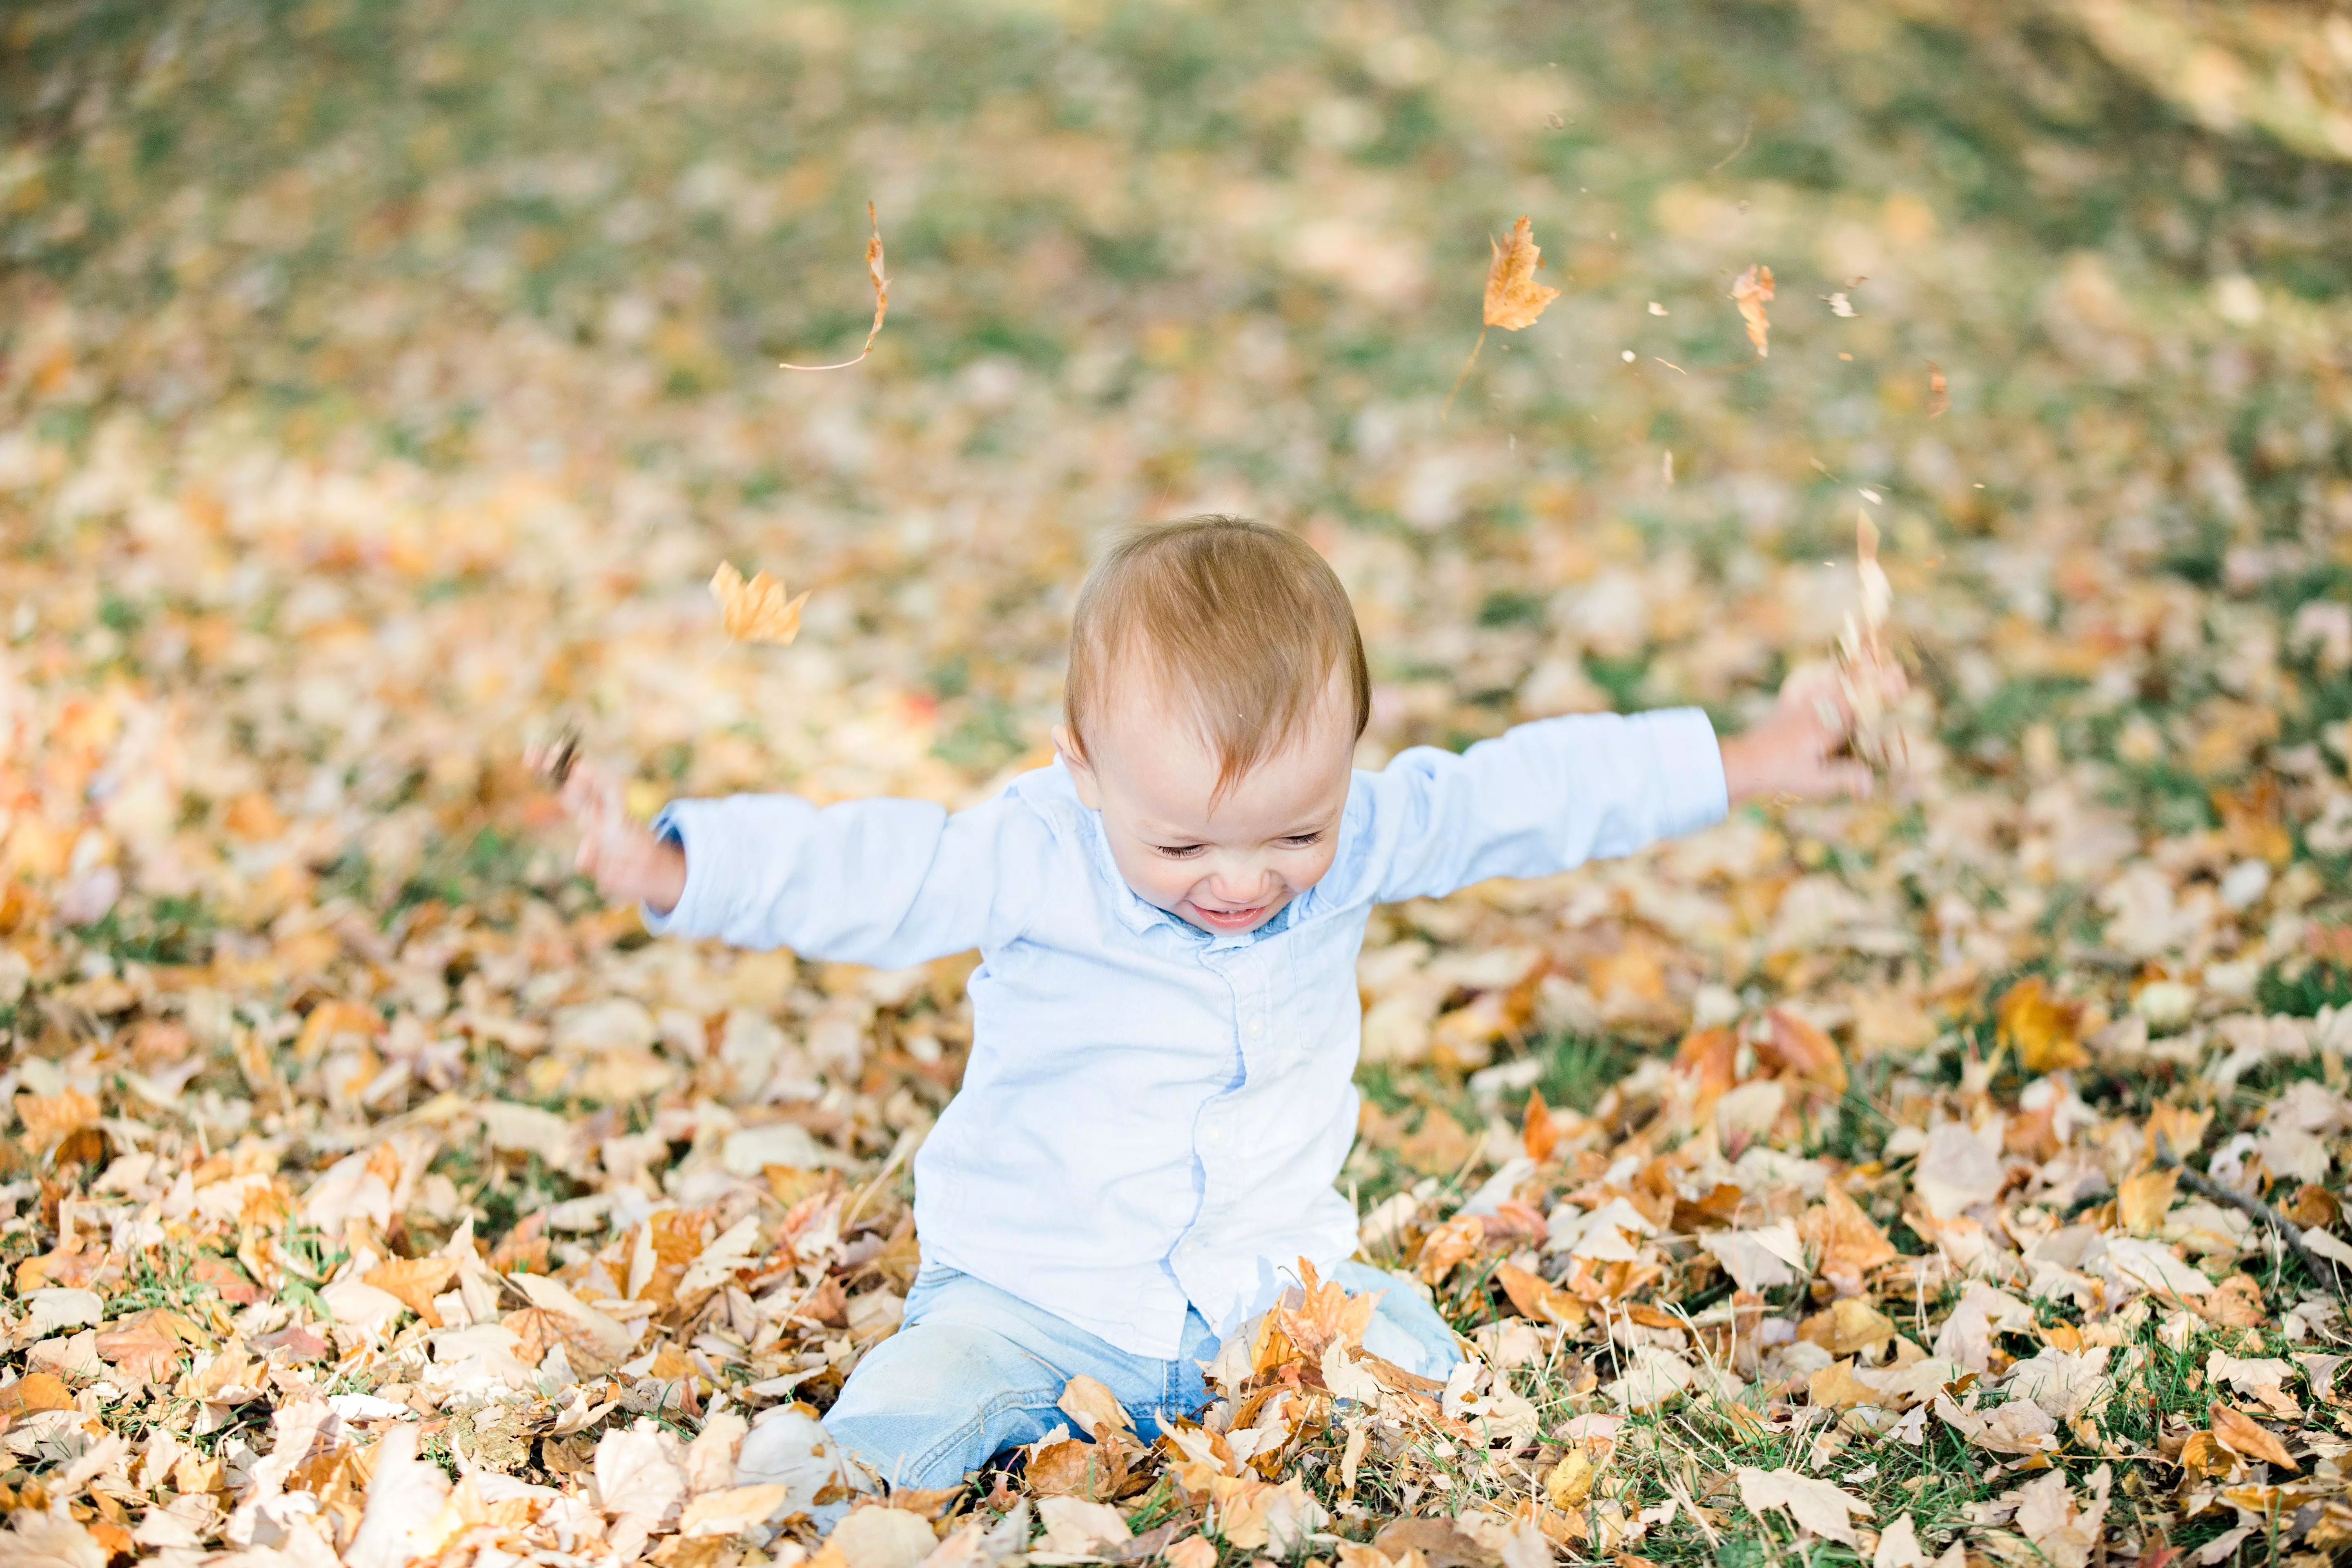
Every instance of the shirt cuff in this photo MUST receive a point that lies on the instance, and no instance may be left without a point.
(1690, 770)
(699, 904)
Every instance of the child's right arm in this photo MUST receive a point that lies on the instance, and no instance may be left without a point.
(883, 882)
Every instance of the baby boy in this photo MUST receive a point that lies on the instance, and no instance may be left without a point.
(1165, 1018)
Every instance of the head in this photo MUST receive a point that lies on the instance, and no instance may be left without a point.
(1217, 687)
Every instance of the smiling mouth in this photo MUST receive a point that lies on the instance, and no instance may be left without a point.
(1231, 920)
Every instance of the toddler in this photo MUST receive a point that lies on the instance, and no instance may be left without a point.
(1165, 1018)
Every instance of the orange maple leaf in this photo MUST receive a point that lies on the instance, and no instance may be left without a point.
(1751, 291)
(1514, 297)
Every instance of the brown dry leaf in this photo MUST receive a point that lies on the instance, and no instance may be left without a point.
(2241, 1435)
(757, 610)
(881, 297)
(1835, 1387)
(2045, 1032)
(1845, 1242)
(1093, 1408)
(1539, 1133)
(1538, 1298)
(1514, 297)
(1801, 1049)
(415, 1280)
(1751, 291)
(50, 1119)
(149, 1344)
(1094, 1471)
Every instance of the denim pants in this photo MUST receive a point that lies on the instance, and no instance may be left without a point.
(974, 1371)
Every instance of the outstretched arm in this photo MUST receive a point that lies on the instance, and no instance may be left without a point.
(884, 882)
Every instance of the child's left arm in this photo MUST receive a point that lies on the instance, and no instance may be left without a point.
(1550, 794)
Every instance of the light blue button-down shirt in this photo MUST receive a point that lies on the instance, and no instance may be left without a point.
(1153, 1116)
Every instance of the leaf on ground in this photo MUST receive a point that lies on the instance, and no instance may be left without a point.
(2244, 1435)
(1818, 1506)
(2044, 1031)
(148, 1345)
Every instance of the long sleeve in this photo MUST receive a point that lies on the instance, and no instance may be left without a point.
(883, 882)
(1540, 799)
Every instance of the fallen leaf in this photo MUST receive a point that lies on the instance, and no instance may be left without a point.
(881, 298)
(1816, 1505)
(2241, 1435)
(1751, 291)
(732, 1511)
(2044, 1031)
(415, 1281)
(149, 1344)
(757, 610)
(1079, 1527)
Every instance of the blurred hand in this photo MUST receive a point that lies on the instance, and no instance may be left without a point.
(1796, 751)
(626, 862)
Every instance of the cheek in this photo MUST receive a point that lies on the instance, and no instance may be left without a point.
(1302, 868)
(1159, 879)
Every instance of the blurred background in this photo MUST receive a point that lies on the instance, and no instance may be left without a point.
(380, 384)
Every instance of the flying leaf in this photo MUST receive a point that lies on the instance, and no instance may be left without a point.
(1751, 291)
(881, 299)
(757, 610)
(1939, 395)
(1816, 1505)
(1870, 677)
(1514, 297)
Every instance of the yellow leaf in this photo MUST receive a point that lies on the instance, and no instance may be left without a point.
(415, 1280)
(756, 611)
(1751, 291)
(2145, 1199)
(2043, 1031)
(1514, 297)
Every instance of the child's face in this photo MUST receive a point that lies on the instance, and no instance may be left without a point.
(1234, 866)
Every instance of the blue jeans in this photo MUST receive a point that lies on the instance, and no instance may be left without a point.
(974, 1371)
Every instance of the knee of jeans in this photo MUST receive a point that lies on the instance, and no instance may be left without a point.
(941, 1400)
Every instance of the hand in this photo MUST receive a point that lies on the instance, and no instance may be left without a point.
(1796, 751)
(626, 862)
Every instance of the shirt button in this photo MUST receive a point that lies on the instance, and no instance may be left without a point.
(1256, 1027)
(1213, 1136)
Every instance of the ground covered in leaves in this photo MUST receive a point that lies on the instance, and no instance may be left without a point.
(1954, 1177)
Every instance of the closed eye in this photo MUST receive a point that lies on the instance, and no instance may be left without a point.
(1301, 840)
(1178, 851)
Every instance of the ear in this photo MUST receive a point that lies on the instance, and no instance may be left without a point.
(1082, 773)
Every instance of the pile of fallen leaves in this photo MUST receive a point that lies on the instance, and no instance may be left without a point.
(1953, 1177)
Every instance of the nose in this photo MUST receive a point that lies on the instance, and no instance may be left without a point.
(1239, 886)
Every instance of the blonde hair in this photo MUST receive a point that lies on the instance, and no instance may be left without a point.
(1242, 619)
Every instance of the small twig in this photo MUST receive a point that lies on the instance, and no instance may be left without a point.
(2288, 1231)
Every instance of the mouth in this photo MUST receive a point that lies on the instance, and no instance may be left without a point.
(1231, 920)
